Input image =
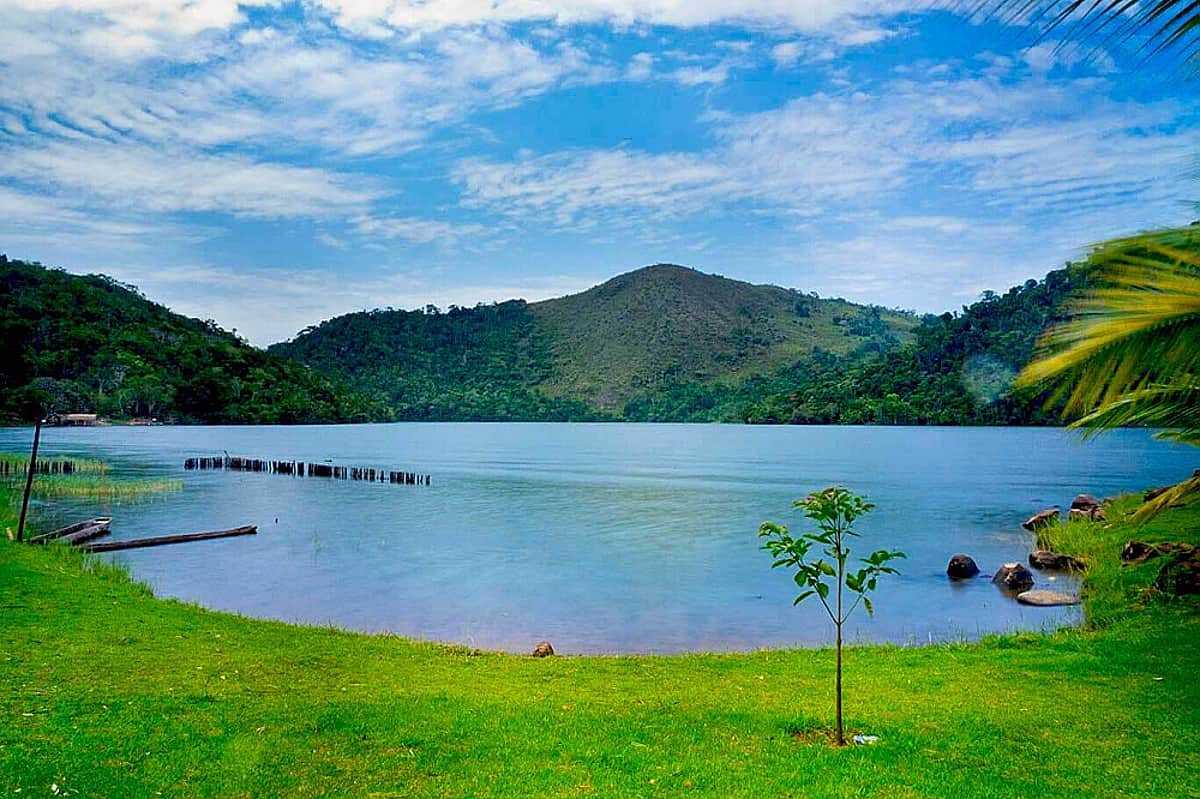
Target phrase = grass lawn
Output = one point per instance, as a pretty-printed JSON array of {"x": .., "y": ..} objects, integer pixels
[{"x": 107, "y": 691}]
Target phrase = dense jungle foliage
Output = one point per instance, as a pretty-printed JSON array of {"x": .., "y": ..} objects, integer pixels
[
  {"x": 660, "y": 344},
  {"x": 71, "y": 343}
]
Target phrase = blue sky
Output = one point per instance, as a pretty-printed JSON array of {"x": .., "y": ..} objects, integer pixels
[{"x": 273, "y": 164}]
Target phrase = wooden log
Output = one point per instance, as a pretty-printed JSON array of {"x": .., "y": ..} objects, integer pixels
[
  {"x": 163, "y": 540},
  {"x": 86, "y": 534},
  {"x": 69, "y": 529}
]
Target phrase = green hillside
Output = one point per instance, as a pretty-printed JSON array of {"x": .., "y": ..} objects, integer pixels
[
  {"x": 586, "y": 356},
  {"x": 663, "y": 343},
  {"x": 667, "y": 324},
  {"x": 957, "y": 371},
  {"x": 481, "y": 363},
  {"x": 90, "y": 344}
]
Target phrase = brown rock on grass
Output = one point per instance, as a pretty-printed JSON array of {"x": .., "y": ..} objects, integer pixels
[
  {"x": 543, "y": 650},
  {"x": 1053, "y": 561},
  {"x": 1181, "y": 574},
  {"x": 1042, "y": 519}
]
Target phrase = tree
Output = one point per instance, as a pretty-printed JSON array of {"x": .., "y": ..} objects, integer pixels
[
  {"x": 1130, "y": 353},
  {"x": 834, "y": 510}
]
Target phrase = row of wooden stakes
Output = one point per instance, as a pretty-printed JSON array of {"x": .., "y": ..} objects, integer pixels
[{"x": 302, "y": 469}]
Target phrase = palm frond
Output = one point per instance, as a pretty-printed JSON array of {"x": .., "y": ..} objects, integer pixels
[
  {"x": 1160, "y": 26},
  {"x": 1130, "y": 354},
  {"x": 1177, "y": 495}
]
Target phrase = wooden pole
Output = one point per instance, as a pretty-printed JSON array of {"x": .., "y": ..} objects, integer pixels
[{"x": 37, "y": 436}]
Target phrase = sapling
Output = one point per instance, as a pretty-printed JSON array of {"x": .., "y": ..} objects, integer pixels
[{"x": 834, "y": 510}]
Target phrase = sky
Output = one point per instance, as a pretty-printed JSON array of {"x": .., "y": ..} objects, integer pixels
[{"x": 272, "y": 164}]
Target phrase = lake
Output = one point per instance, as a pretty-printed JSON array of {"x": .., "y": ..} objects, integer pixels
[{"x": 602, "y": 538}]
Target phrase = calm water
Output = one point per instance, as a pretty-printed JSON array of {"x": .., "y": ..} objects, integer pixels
[{"x": 600, "y": 538}]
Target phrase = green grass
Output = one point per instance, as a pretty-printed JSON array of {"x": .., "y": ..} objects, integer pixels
[
  {"x": 107, "y": 691},
  {"x": 96, "y": 487}
]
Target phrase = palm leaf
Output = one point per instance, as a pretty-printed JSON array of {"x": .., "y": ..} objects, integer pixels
[
  {"x": 1130, "y": 354},
  {"x": 1160, "y": 25},
  {"x": 1177, "y": 495}
]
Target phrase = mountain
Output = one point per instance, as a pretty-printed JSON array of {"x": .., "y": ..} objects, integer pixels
[
  {"x": 591, "y": 354},
  {"x": 665, "y": 324},
  {"x": 88, "y": 343},
  {"x": 663, "y": 343}
]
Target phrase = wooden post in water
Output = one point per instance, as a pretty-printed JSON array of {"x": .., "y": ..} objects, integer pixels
[{"x": 37, "y": 436}]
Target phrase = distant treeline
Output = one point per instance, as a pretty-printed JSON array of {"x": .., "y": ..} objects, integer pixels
[{"x": 90, "y": 344}]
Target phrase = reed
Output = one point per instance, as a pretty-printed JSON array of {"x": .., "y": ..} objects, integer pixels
[
  {"x": 17, "y": 463},
  {"x": 100, "y": 487}
]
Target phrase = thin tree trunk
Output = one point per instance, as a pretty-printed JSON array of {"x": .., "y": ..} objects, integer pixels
[{"x": 841, "y": 735}]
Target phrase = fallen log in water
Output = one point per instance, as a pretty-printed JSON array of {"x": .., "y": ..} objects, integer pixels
[
  {"x": 71, "y": 529},
  {"x": 163, "y": 540},
  {"x": 86, "y": 534}
]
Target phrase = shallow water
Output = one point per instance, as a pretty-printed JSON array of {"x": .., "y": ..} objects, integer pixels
[{"x": 598, "y": 537}]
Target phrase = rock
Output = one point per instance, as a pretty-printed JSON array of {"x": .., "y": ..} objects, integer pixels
[
  {"x": 1084, "y": 502},
  {"x": 1013, "y": 577},
  {"x": 1089, "y": 515},
  {"x": 1039, "y": 520},
  {"x": 1045, "y": 599},
  {"x": 1135, "y": 552},
  {"x": 1181, "y": 574},
  {"x": 1045, "y": 559},
  {"x": 543, "y": 650},
  {"x": 961, "y": 567},
  {"x": 1155, "y": 493}
]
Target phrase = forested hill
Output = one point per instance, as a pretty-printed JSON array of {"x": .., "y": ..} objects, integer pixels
[
  {"x": 958, "y": 371},
  {"x": 90, "y": 344},
  {"x": 592, "y": 354},
  {"x": 664, "y": 343}
]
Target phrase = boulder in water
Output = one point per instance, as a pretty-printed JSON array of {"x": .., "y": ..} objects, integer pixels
[
  {"x": 961, "y": 567},
  {"x": 1013, "y": 577},
  {"x": 1045, "y": 599}
]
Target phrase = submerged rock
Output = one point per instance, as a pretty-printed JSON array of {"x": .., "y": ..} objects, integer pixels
[
  {"x": 1042, "y": 519},
  {"x": 1045, "y": 599},
  {"x": 543, "y": 650},
  {"x": 1053, "y": 561},
  {"x": 1013, "y": 577},
  {"x": 961, "y": 567}
]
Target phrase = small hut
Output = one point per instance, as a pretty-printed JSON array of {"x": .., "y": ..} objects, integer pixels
[{"x": 73, "y": 419}]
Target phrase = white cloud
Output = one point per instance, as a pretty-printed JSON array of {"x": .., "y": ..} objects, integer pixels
[
  {"x": 159, "y": 181},
  {"x": 1022, "y": 149},
  {"x": 806, "y": 15},
  {"x": 559, "y": 188},
  {"x": 414, "y": 229}
]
